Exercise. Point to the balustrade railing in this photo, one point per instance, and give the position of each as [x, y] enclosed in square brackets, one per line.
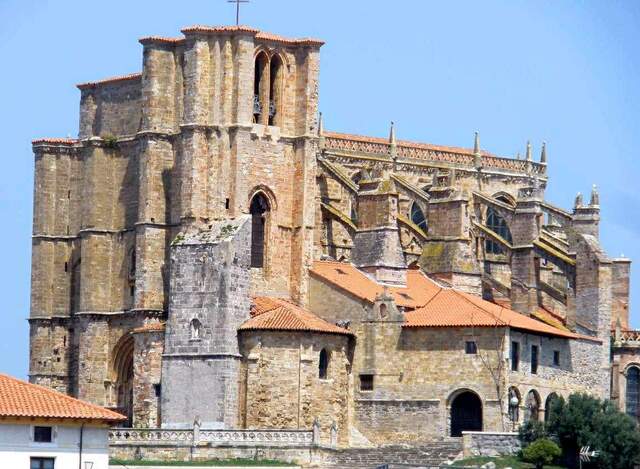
[430, 153]
[160, 436]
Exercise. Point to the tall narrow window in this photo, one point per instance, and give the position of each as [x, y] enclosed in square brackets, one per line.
[323, 365]
[515, 356]
[260, 91]
[258, 209]
[498, 225]
[633, 393]
[417, 217]
[275, 89]
[534, 359]
[196, 326]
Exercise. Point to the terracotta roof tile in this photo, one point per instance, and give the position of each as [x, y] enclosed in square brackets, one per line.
[160, 40]
[55, 141]
[432, 305]
[21, 399]
[260, 35]
[419, 289]
[92, 84]
[277, 314]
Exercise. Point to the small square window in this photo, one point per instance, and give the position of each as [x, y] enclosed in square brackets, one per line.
[556, 357]
[42, 463]
[42, 434]
[470, 347]
[366, 382]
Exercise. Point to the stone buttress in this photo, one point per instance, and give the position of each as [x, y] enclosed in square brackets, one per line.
[209, 300]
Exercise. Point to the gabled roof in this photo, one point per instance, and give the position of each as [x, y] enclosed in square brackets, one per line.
[453, 308]
[21, 399]
[418, 292]
[276, 314]
[432, 305]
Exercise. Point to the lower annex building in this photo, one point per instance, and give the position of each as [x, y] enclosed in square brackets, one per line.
[206, 251]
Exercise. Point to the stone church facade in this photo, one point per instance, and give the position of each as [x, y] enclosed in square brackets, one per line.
[206, 252]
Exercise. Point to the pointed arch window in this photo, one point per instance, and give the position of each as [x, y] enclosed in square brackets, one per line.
[196, 327]
[417, 217]
[275, 89]
[497, 224]
[259, 209]
[260, 88]
[633, 393]
[323, 364]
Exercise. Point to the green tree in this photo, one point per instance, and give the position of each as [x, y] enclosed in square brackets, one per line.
[584, 420]
[531, 431]
[541, 452]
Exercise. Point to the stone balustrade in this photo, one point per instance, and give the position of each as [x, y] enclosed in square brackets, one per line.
[194, 437]
[432, 153]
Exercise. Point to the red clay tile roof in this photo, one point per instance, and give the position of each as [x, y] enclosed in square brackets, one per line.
[276, 314]
[21, 399]
[260, 35]
[418, 292]
[92, 84]
[404, 143]
[432, 305]
[452, 308]
[160, 40]
[54, 141]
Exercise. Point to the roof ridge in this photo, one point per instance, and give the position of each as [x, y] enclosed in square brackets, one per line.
[59, 394]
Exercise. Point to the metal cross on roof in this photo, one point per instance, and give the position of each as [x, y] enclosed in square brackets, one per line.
[237, 2]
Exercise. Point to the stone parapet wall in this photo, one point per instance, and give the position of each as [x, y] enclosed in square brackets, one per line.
[489, 443]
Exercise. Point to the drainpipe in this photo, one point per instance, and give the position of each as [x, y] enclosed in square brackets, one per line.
[80, 454]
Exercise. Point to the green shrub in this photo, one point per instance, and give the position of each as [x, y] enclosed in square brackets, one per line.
[110, 141]
[531, 431]
[587, 421]
[541, 452]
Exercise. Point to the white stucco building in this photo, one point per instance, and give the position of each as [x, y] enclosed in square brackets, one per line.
[44, 429]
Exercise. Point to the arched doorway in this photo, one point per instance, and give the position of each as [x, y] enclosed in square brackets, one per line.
[259, 208]
[123, 370]
[532, 406]
[466, 413]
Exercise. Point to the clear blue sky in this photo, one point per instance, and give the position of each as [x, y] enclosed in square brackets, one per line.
[565, 72]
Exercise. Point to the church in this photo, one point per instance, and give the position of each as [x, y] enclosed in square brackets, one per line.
[206, 253]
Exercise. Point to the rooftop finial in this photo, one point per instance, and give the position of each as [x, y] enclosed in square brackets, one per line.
[476, 143]
[595, 196]
[578, 202]
[392, 134]
[320, 125]
[543, 153]
[529, 157]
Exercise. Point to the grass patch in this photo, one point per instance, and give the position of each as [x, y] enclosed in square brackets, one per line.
[218, 463]
[500, 462]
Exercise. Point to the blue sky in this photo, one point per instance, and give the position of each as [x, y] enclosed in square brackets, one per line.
[565, 72]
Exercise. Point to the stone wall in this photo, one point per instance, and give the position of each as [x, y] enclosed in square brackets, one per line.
[579, 369]
[210, 299]
[282, 387]
[489, 443]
